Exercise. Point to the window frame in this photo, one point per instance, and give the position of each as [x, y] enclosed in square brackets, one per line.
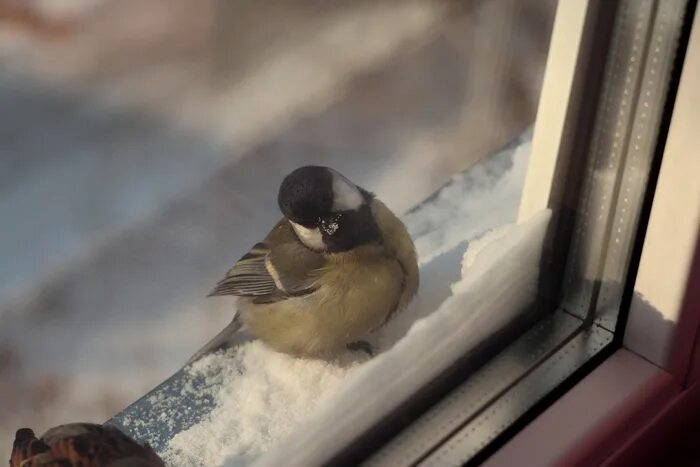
[634, 409]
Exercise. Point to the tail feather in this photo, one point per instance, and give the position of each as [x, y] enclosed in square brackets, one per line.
[230, 336]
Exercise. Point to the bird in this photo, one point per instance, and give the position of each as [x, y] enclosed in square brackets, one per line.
[335, 268]
[80, 445]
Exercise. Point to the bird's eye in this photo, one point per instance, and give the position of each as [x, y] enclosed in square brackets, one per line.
[331, 224]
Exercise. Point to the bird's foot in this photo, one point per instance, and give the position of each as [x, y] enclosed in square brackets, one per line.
[363, 346]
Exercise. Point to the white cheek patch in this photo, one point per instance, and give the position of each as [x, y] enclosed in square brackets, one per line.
[346, 196]
[309, 237]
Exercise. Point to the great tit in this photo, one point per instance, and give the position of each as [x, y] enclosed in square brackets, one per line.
[335, 268]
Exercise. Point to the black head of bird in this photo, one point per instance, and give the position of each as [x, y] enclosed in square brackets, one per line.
[328, 212]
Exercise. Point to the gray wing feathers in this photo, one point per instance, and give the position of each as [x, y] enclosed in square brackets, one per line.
[248, 277]
[268, 274]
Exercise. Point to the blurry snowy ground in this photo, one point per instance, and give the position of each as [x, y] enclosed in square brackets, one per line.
[140, 156]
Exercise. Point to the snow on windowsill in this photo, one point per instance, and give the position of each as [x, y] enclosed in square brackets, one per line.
[261, 396]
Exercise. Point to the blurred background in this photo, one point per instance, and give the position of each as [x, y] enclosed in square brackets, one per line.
[142, 143]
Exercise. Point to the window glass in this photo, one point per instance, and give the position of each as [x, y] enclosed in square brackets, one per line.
[141, 149]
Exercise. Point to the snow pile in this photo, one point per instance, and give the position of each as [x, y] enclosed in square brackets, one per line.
[480, 199]
[258, 396]
[253, 411]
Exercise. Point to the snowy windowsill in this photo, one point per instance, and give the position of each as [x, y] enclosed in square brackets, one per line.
[252, 399]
